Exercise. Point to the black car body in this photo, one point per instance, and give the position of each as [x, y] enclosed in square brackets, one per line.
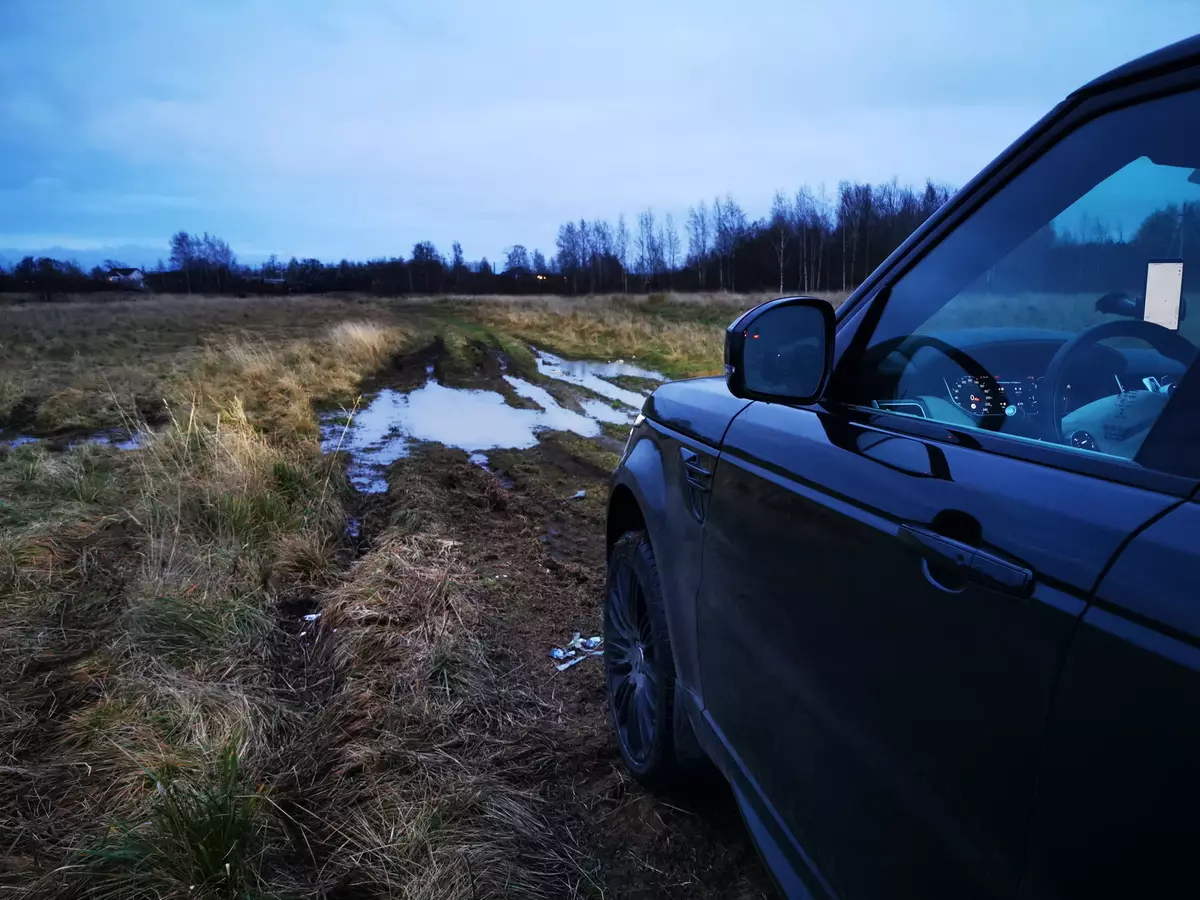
[922, 579]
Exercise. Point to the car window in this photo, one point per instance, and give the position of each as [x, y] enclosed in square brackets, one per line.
[1058, 311]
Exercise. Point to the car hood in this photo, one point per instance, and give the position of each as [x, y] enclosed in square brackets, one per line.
[700, 408]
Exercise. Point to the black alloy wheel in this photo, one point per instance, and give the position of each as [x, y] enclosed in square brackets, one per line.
[631, 664]
[639, 672]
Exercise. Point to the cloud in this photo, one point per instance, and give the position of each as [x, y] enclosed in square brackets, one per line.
[337, 129]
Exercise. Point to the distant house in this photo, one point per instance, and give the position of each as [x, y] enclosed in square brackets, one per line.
[131, 279]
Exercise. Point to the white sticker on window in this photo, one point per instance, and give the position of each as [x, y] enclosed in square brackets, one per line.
[1164, 288]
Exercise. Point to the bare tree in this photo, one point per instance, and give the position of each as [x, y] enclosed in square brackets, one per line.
[602, 246]
[568, 253]
[698, 229]
[670, 246]
[621, 250]
[585, 252]
[729, 223]
[649, 248]
[184, 253]
[780, 231]
[539, 263]
[516, 258]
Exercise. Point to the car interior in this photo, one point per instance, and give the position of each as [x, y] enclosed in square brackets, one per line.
[1034, 318]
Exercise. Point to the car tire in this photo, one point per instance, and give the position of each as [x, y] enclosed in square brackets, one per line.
[639, 669]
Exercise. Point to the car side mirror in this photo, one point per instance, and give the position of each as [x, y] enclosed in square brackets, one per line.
[781, 350]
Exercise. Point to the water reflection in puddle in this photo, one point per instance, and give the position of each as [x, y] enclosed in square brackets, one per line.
[122, 440]
[593, 376]
[474, 420]
[19, 441]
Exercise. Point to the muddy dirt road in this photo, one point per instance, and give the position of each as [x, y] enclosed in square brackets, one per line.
[535, 548]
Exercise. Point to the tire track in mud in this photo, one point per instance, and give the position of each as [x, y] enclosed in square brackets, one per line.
[534, 557]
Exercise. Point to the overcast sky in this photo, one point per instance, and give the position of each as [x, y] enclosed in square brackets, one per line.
[354, 129]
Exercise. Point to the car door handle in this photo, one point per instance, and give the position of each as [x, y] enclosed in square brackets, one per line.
[968, 562]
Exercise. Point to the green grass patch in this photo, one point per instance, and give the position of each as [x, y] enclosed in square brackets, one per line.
[187, 628]
[203, 837]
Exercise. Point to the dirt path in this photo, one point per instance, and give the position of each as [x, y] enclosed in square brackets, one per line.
[540, 557]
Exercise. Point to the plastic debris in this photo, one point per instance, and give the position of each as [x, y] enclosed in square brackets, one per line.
[311, 617]
[579, 495]
[577, 650]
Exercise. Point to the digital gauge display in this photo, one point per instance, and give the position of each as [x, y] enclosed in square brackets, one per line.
[979, 396]
[982, 395]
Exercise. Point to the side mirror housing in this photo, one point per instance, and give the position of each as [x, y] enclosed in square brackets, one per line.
[781, 351]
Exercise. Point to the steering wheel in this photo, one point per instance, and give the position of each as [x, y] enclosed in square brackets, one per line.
[914, 343]
[1167, 342]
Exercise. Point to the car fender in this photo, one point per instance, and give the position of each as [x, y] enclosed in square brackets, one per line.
[649, 492]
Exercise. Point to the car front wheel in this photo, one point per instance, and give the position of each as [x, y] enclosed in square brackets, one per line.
[638, 665]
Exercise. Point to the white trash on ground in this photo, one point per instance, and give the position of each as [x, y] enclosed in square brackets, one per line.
[577, 650]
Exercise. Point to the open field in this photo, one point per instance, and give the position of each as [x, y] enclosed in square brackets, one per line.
[171, 725]
[91, 364]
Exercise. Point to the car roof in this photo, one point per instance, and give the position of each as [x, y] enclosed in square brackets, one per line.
[1174, 55]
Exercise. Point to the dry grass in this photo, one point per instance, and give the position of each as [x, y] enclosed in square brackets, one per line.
[169, 726]
[90, 365]
[280, 382]
[681, 335]
[165, 710]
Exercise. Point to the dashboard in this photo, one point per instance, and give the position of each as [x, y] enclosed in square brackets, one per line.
[986, 395]
[996, 379]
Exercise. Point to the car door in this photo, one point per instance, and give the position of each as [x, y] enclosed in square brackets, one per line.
[890, 710]
[1119, 790]
[893, 577]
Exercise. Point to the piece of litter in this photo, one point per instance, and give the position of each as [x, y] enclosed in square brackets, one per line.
[586, 646]
[303, 633]
[579, 495]
[311, 617]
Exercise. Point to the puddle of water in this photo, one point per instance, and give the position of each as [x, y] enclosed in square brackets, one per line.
[19, 441]
[592, 375]
[481, 460]
[122, 440]
[605, 412]
[372, 442]
[119, 440]
[475, 420]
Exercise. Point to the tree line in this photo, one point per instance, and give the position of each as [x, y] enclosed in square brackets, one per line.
[809, 241]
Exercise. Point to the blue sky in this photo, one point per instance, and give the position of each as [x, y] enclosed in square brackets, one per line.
[357, 128]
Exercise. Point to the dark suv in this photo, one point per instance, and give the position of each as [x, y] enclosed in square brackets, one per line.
[922, 576]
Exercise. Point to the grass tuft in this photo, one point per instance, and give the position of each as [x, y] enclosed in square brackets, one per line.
[203, 838]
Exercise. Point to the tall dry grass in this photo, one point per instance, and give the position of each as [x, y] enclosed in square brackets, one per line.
[277, 384]
[680, 335]
[170, 727]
